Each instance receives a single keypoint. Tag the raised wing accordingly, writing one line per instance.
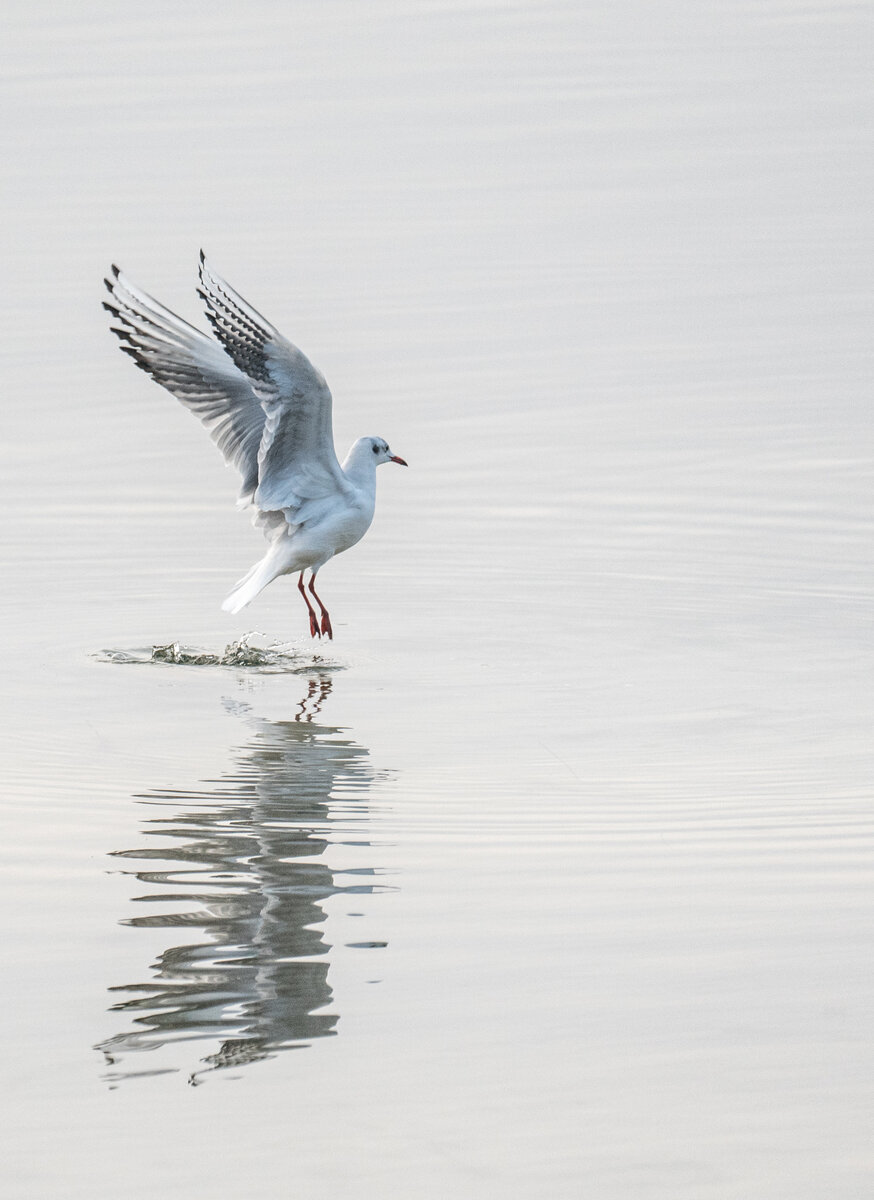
(196, 370)
(296, 457)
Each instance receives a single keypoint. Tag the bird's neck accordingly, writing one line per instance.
(360, 466)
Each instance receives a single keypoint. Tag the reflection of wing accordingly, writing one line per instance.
(248, 856)
(296, 458)
(196, 370)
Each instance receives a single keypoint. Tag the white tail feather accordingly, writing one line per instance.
(253, 582)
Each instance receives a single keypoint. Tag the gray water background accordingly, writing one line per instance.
(552, 875)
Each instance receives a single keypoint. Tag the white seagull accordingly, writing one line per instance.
(268, 410)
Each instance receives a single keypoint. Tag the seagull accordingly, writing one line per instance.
(268, 410)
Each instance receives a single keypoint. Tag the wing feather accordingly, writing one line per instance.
(296, 457)
(261, 400)
(196, 370)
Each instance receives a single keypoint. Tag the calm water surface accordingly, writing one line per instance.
(553, 870)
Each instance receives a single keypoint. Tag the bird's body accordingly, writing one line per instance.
(322, 529)
(269, 411)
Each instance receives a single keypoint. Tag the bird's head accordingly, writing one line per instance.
(381, 453)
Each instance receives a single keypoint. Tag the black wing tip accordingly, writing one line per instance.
(115, 270)
(122, 333)
(141, 362)
(112, 309)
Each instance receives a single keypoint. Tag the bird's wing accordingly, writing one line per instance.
(196, 370)
(296, 458)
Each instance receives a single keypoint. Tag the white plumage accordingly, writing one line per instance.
(268, 410)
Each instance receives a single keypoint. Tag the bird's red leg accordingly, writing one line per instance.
(326, 620)
(314, 625)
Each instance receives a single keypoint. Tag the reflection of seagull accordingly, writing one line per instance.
(269, 412)
(247, 867)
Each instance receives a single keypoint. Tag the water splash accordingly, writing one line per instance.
(276, 657)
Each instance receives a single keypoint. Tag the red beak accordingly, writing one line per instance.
(394, 458)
